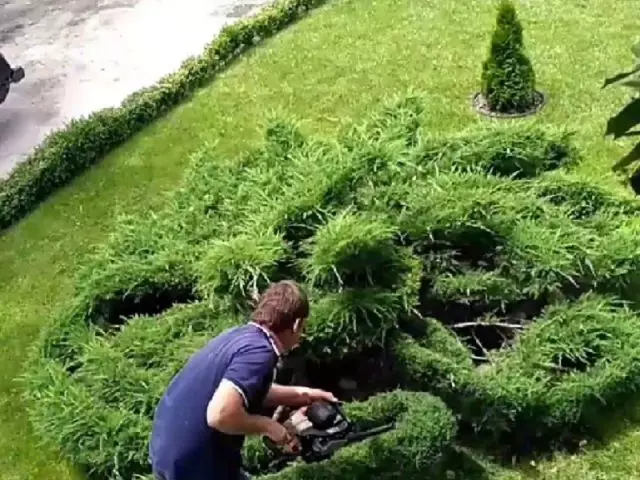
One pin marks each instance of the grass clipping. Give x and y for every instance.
(449, 252)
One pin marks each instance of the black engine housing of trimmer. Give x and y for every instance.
(328, 429)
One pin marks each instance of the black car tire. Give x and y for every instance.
(17, 74)
(4, 91)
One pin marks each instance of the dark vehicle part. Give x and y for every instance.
(8, 75)
(323, 430)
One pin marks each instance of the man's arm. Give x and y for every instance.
(244, 379)
(289, 396)
(226, 413)
(294, 396)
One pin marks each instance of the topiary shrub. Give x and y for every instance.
(488, 276)
(508, 79)
(553, 381)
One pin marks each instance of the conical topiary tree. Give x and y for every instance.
(508, 79)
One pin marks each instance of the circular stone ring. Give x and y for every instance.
(481, 106)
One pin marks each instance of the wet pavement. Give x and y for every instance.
(83, 55)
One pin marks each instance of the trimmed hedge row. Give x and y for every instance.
(516, 263)
(67, 152)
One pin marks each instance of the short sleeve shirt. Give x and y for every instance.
(183, 445)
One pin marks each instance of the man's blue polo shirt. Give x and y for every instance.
(183, 446)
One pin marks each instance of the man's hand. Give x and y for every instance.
(226, 413)
(315, 395)
(282, 437)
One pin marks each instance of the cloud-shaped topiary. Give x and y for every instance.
(448, 253)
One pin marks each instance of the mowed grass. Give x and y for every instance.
(327, 70)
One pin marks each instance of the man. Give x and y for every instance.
(216, 399)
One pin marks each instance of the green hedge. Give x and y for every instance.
(385, 227)
(99, 406)
(425, 430)
(578, 360)
(67, 152)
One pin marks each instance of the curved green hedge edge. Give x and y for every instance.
(576, 360)
(99, 414)
(425, 428)
(67, 152)
(114, 290)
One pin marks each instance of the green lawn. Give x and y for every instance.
(326, 70)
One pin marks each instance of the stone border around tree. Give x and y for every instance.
(479, 104)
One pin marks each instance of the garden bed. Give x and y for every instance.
(430, 248)
(325, 70)
(480, 104)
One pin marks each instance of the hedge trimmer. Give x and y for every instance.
(322, 429)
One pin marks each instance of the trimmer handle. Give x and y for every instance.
(338, 406)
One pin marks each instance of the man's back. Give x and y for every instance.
(183, 445)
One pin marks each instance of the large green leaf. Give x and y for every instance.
(625, 120)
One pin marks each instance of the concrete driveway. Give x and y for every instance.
(83, 55)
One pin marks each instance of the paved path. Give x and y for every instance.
(83, 55)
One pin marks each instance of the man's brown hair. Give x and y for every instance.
(280, 306)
